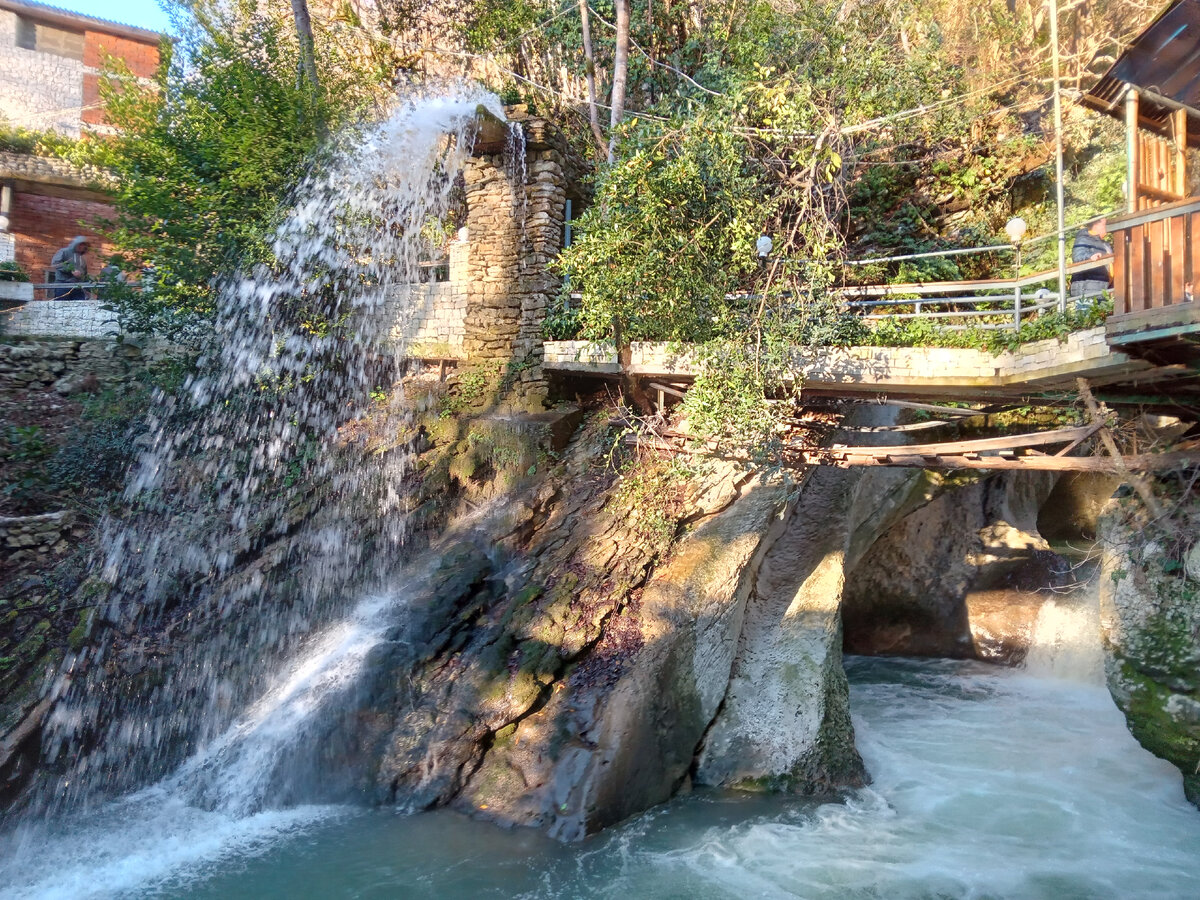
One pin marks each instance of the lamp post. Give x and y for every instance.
(1015, 228)
(1058, 161)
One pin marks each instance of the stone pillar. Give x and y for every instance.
(515, 228)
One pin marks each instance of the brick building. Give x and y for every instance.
(50, 62)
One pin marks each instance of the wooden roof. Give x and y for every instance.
(1163, 62)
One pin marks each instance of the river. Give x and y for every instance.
(987, 783)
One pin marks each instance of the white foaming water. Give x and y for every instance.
(234, 773)
(1066, 638)
(149, 842)
(160, 834)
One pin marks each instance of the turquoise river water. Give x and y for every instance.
(987, 783)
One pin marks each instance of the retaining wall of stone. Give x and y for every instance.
(60, 318)
(24, 538)
(71, 366)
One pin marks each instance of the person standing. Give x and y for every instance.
(1090, 245)
(70, 267)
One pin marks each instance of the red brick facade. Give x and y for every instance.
(49, 205)
(141, 58)
(43, 225)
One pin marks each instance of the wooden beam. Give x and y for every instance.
(933, 408)
(1099, 417)
(666, 389)
(1127, 465)
(1131, 149)
(1009, 442)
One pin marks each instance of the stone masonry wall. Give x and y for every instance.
(428, 320)
(516, 228)
(25, 538)
(69, 366)
(59, 318)
(39, 91)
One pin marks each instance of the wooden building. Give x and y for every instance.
(1154, 87)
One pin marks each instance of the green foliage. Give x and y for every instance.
(562, 319)
(205, 157)
(37, 143)
(10, 270)
(893, 332)
(649, 491)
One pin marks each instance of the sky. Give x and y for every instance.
(142, 13)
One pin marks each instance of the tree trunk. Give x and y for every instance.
(620, 74)
(308, 53)
(590, 62)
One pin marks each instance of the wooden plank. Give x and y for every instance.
(665, 389)
(1175, 254)
(1008, 442)
(1150, 462)
(1154, 233)
(933, 408)
(1193, 266)
(1120, 272)
(1137, 268)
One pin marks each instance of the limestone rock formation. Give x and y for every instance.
(957, 575)
(1150, 615)
(785, 719)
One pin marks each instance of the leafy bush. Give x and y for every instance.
(10, 270)
(207, 156)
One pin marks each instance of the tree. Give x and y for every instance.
(620, 74)
(206, 158)
(308, 53)
(590, 74)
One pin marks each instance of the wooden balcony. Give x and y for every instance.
(1156, 258)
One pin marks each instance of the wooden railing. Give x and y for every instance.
(1156, 257)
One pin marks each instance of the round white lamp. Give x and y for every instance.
(1015, 228)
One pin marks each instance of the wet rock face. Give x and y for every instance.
(957, 576)
(578, 682)
(1150, 616)
(784, 722)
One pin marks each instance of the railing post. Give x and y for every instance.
(1017, 306)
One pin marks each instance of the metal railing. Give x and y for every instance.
(48, 290)
(992, 304)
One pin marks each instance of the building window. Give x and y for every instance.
(45, 39)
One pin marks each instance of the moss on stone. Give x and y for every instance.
(1153, 726)
(79, 634)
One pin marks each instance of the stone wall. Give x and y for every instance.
(69, 366)
(38, 91)
(515, 220)
(428, 320)
(59, 318)
(25, 538)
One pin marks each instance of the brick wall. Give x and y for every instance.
(43, 225)
(141, 58)
(42, 91)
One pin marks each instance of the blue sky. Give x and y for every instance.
(142, 13)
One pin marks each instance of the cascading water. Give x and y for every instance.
(988, 783)
(254, 469)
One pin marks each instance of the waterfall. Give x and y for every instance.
(255, 513)
(1066, 638)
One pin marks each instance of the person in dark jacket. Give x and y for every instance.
(70, 267)
(1087, 285)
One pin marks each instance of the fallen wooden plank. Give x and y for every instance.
(934, 408)
(666, 389)
(1150, 462)
(1009, 442)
